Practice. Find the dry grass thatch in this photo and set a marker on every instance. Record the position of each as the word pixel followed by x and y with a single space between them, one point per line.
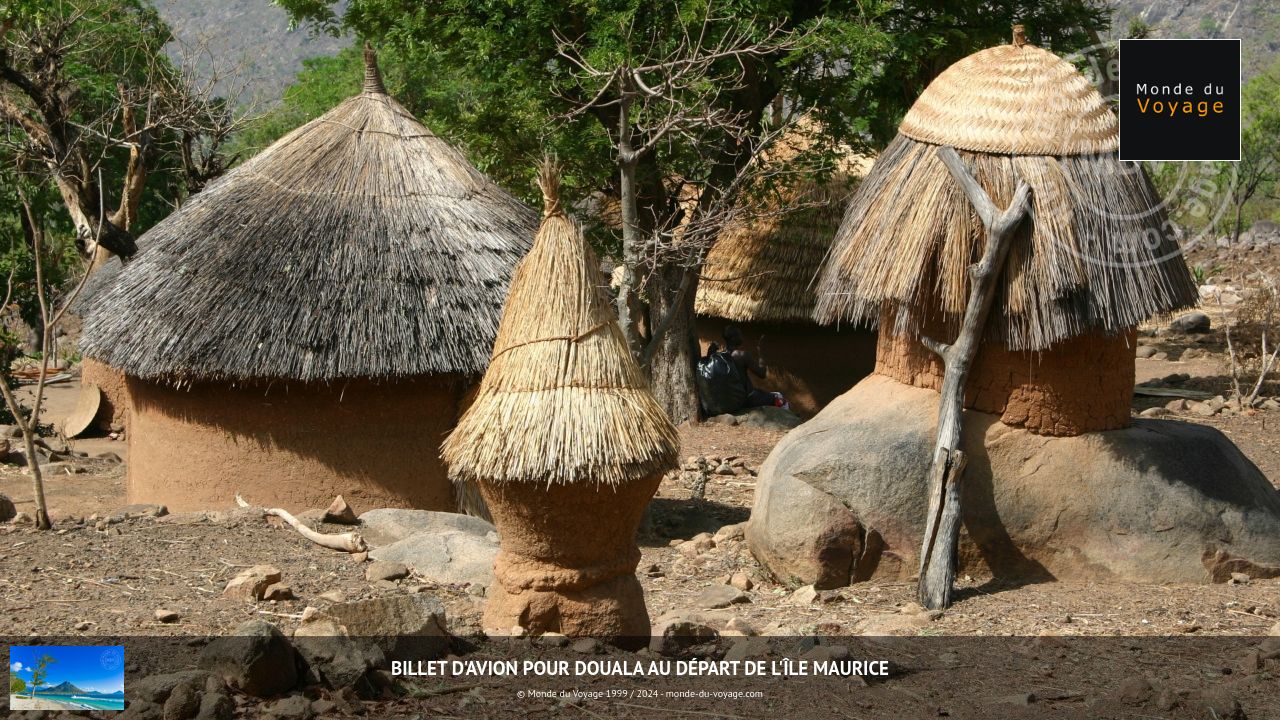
pixel 563 400
pixel 1013 99
pixel 1094 256
pixel 761 267
pixel 359 245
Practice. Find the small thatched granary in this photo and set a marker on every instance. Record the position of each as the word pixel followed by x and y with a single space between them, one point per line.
pixel 1093 261
pixel 309 324
pixel 567 446
pixel 1061 482
pixel 759 276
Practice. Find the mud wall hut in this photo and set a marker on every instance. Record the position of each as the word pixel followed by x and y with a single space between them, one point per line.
pixel 309 324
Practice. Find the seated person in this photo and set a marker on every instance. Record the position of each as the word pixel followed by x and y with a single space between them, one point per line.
pixel 724 377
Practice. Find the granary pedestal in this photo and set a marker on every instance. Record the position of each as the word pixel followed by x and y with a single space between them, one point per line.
pixel 568 559
pixel 842 498
pixel 1079 385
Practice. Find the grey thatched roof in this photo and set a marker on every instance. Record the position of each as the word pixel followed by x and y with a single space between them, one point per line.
pixel 359 245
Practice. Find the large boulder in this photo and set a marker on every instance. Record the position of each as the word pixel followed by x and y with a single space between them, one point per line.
pixel 842 498
pixel 389 525
pixel 450 557
pixel 255 659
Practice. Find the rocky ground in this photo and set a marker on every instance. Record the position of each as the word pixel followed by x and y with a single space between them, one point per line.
pixel 110 571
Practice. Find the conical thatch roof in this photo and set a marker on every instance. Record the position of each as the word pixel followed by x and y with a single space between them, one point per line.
pixel 1013 100
pixel 359 245
pixel 761 267
pixel 563 400
pixel 1094 256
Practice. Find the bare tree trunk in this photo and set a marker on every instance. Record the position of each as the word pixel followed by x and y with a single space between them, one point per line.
pixel 942 525
pixel 673 351
pixel 627 201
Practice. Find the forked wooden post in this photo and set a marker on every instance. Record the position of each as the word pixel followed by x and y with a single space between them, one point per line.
pixel 942 527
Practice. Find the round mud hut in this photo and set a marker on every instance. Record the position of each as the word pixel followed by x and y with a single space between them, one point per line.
pixel 1061 482
pixel 310 324
pixel 566 444
pixel 758 276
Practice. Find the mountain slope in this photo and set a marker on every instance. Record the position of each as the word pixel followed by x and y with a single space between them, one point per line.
pixel 62 688
pixel 250 36
pixel 1255 22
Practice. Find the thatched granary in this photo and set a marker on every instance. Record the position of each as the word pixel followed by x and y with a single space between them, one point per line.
pixel 759 276
pixel 309 324
pixel 1093 261
pixel 1060 482
pixel 567 446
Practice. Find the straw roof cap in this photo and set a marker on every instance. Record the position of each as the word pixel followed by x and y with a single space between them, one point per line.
pixel 1014 100
pixel 360 245
pixel 563 400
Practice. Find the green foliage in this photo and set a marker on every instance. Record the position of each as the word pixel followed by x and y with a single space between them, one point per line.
pixel 40 673
pixel 322 83
pixel 116 44
pixel 485 74
pixel 16 685
pixel 1208 27
pixel 1234 195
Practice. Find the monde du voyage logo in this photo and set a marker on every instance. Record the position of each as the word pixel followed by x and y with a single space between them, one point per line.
pixel 1180 99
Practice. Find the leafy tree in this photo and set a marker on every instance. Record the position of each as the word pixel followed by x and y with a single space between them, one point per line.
pixel 40 673
pixel 16 685
pixel 490 75
pixel 1259 166
pixel 94 109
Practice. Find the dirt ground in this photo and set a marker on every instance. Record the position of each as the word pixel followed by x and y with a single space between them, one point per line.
pixel 86 581
pixel 115 579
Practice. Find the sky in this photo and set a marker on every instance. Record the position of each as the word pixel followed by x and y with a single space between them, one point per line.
pixel 93 668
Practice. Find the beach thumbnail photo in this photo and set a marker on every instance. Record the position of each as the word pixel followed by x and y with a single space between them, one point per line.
pixel 66 677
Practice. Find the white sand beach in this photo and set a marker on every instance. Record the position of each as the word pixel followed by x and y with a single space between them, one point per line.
pixel 22 702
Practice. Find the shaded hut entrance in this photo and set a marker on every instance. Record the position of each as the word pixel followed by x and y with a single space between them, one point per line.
pixel 810 364
pixel 759 276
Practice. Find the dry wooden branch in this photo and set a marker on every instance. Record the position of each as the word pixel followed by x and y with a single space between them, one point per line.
pixel 942 526
pixel 350 542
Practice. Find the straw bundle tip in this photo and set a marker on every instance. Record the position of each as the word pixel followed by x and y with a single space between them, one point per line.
pixel 549 183
pixel 1019 35
pixel 372 75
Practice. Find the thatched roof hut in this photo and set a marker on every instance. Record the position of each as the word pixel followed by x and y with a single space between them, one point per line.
pixel 563 400
pixel 1094 257
pixel 1093 260
pixel 759 276
pixel 349 273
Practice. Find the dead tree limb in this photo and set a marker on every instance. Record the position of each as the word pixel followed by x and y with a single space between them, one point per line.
pixel 942 526
pixel 349 542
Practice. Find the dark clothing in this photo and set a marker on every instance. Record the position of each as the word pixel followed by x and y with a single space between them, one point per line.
pixel 749 364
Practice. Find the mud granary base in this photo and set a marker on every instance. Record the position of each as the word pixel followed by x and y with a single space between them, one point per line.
pixel 568 559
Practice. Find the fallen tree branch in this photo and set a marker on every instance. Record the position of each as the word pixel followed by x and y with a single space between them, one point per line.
pixel 349 542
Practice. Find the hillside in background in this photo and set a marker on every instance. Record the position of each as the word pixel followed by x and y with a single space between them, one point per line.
pixel 255 33
pixel 1256 22
pixel 250 36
